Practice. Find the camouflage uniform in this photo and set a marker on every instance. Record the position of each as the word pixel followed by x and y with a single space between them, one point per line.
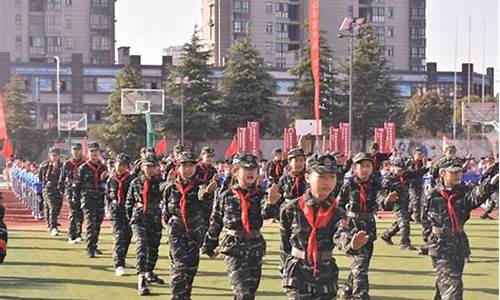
pixel 3 232
pixel 493 200
pixel 400 208
pixel 185 230
pixel 275 170
pixel 144 211
pixel 89 189
pixel 49 175
pixel 415 191
pixel 116 193
pixel 68 176
pixel 361 212
pixel 205 174
pixel 243 248
pixel 447 212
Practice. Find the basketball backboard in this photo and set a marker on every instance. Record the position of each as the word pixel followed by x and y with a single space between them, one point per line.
pixel 73 122
pixel 478 112
pixel 141 101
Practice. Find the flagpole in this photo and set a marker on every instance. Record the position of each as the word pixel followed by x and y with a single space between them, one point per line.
pixel 455 85
pixel 483 70
pixel 469 79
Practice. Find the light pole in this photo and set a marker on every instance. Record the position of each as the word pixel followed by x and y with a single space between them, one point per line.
pixel 58 90
pixel 181 81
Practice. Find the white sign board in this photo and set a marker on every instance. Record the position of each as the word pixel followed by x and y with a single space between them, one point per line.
pixel 304 127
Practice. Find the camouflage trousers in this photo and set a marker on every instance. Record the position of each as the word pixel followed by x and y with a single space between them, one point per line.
pixel 415 193
pixel 449 271
pixel 492 203
pixel 184 258
pixel 402 225
pixel 300 282
pixel 52 205
pixel 243 259
pixel 75 216
pixel 122 234
pixel 93 208
pixel 357 284
pixel 147 230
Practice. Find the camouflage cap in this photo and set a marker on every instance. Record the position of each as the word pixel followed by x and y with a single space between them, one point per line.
pixel 149 160
pixel 76 146
pixel 123 158
pixel 296 152
pixel 321 164
pixel 361 156
pixel 398 162
pixel 451 165
pixel 54 150
pixel 94 146
pixel 188 156
pixel 417 150
pixel 277 151
pixel 207 151
pixel 178 148
pixel 246 160
pixel 450 148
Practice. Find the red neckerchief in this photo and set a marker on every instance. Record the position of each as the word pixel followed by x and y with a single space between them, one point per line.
pixel 277 168
pixel 319 221
pixel 296 183
pixel 184 192
pixel 206 172
pixel 418 164
pixel 402 182
pixel 121 186
pixel 75 164
pixel 145 194
pixel 362 195
pixel 95 171
pixel 455 224
pixel 245 207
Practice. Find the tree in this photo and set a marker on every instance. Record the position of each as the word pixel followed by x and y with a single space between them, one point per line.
pixel 429 112
pixel 374 93
pixel 331 111
pixel 247 90
pixel 199 97
pixel 122 133
pixel 28 141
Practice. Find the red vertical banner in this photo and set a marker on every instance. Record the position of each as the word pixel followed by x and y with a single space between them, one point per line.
pixel 254 137
pixel 314 40
pixel 243 139
pixel 324 145
pixel 345 137
pixel 334 139
pixel 289 138
pixel 390 136
pixel 3 122
pixel 380 137
pixel 286 148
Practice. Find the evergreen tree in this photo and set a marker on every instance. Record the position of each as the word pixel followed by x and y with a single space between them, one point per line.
pixel 122 133
pixel 428 112
pixel 248 91
pixel 331 110
pixel 198 95
pixel 374 93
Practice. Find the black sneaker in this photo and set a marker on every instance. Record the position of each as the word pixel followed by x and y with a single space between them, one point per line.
pixel 90 253
pixel 387 240
pixel 142 287
pixel 151 277
pixel 486 216
pixel 346 294
pixel 98 252
pixel 407 247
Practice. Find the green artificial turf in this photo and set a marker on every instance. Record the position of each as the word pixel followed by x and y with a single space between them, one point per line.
pixel 41 267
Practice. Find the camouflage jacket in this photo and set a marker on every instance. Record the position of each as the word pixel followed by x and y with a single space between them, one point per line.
pixel 50 173
pixel 69 173
pixel 135 204
pixel 205 174
pixel 88 179
pixel 275 170
pixel 114 195
pixel 443 240
pixel 3 234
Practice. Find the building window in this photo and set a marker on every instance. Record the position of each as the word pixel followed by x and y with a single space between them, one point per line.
pixel 18 42
pixel 390 12
pixel 350 11
pixel 54 44
pixel 240 26
pixel 269 47
pixel 281 50
pixel 211 32
pixel 390 50
pixel 99 22
pixel 379 32
pixel 18 20
pixel 417 13
pixel 88 84
pixel 417 33
pixel 68 42
pixel 282 30
pixel 53 23
pixel 36 5
pixel 100 42
pixel 211 12
pixel 378 14
pixel 390 31
pixel 241 6
pixel 418 52
pixel 54 4
pixel 269 27
pixel 281 65
pixel 100 3
pixel 269 7
pixel 281 10
pixel 37 41
pixel 68 2
pixel 100 61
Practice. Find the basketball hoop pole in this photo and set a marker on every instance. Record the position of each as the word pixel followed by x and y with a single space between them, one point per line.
pixel 150 137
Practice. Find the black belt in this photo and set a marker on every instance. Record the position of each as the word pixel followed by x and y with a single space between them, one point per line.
pixel 322 255
pixel 252 234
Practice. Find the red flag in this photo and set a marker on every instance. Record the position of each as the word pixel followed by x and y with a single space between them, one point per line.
pixel 161 147
pixel 85 145
pixel 8 149
pixel 314 40
pixel 3 123
pixel 233 148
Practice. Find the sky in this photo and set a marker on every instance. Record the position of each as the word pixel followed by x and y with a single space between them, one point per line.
pixel 148 26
